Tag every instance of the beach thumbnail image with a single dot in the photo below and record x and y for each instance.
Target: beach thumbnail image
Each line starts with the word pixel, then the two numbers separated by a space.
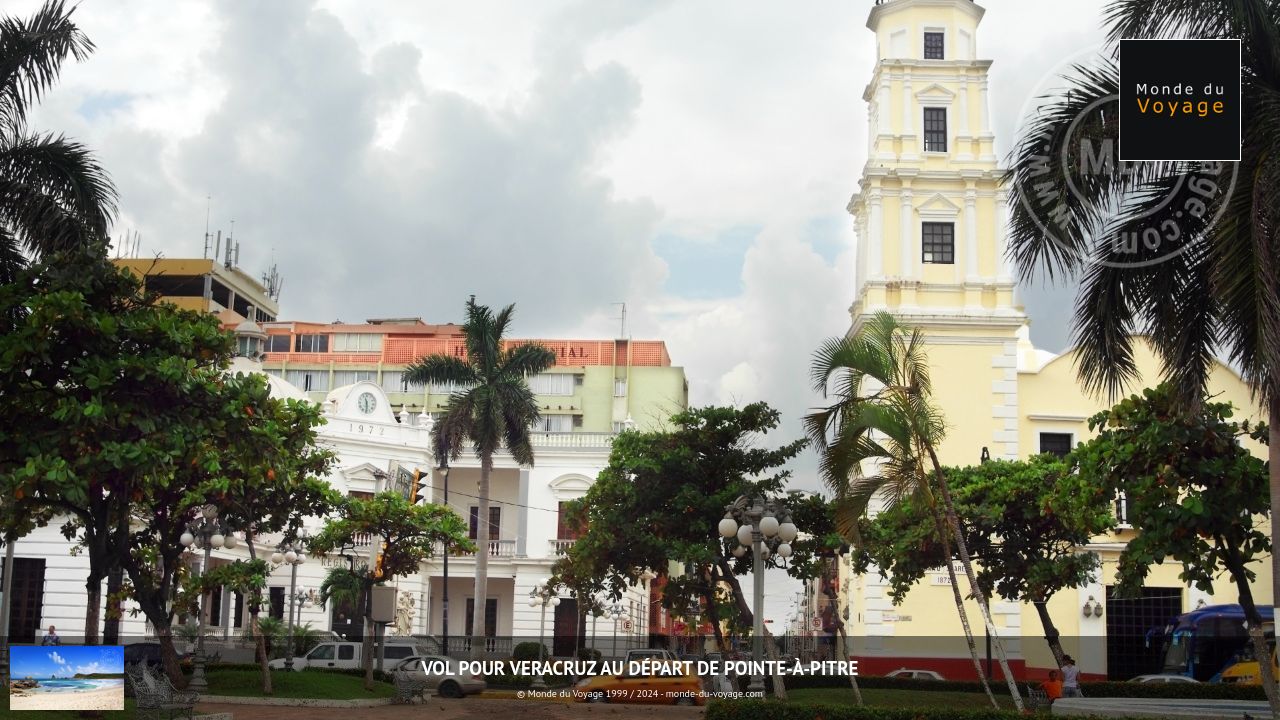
pixel 66 677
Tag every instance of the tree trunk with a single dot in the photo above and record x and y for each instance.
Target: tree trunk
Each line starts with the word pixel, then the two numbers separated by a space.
pixel 748 618
pixel 1051 634
pixel 93 608
pixel 111 627
pixel 6 589
pixel 482 560
pixel 254 610
pixel 843 635
pixel 367 645
pixel 1260 650
pixel 981 597
pixel 1273 464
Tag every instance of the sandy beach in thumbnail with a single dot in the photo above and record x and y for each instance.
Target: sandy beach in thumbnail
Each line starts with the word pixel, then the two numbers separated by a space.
pixel 108 698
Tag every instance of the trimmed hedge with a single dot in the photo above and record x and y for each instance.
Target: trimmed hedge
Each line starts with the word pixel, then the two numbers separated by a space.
pixel 770 710
pixel 1180 691
pixel 378 676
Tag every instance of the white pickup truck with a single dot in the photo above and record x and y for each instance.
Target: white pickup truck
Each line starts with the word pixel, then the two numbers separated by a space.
pixel 346 655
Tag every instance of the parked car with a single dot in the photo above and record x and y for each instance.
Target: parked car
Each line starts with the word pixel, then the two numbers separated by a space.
pixel 1164 678
pixel 640 654
pixel 915 674
pixel 660 686
pixel 450 684
pixel 347 655
pixel 149 653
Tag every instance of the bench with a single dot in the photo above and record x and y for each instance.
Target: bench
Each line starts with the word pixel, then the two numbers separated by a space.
pixel 157 697
pixel 410 684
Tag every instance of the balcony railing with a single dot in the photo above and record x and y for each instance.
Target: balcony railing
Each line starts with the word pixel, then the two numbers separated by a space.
pixel 497 548
pixel 572 440
pixel 560 546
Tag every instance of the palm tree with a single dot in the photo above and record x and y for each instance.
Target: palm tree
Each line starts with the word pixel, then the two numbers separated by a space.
pixel 491 407
pixel 1217 286
pixel 53 194
pixel 883 415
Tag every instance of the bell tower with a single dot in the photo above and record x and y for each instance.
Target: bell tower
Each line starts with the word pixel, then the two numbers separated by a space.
pixel 929 211
pixel 930 219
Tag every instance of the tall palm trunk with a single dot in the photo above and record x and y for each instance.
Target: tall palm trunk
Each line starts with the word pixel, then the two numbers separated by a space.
pixel 945 537
pixel 954 521
pixel 964 614
pixel 482 560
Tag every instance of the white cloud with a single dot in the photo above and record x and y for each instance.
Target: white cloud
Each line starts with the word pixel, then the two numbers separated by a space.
pixel 57 659
pixel 94 667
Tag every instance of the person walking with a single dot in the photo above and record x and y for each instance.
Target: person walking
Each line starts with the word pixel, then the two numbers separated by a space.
pixel 51 638
pixel 1070 677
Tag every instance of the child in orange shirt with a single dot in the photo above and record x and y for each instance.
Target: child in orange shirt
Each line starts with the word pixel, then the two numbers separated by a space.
pixel 1052 687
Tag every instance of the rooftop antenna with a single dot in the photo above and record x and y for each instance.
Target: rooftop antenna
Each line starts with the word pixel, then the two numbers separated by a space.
pixel 217 246
pixel 208 200
pixel 622 331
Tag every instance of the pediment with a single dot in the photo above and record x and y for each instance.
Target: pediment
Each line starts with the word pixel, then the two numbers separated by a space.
pixel 935 93
pixel 938 203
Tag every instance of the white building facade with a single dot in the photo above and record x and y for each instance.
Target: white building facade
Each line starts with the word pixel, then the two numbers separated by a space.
pixel 376 449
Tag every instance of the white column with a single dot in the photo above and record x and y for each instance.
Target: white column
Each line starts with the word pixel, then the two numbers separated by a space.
pixel 908 108
pixel 884 118
pixel 962 122
pixel 986 115
pixel 907 235
pixel 971 235
pixel 875 237
pixel 1002 237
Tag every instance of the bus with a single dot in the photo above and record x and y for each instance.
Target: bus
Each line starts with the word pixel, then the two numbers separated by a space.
pixel 1200 644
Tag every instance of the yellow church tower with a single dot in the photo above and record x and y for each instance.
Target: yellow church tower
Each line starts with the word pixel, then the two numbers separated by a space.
pixel 930 220
pixel 929 217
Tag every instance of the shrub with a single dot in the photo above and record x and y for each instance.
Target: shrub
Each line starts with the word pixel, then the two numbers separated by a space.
pixel 589 654
pixel 529 651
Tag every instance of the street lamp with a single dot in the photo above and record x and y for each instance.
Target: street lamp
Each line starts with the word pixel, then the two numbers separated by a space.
pixel 764 527
pixel 542 594
pixel 290 553
pixel 207 533
pixel 615 612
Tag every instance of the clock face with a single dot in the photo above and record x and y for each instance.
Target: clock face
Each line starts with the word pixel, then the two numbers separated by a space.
pixel 366 402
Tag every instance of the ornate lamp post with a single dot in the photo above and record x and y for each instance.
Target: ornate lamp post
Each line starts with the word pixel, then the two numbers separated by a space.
pixel 615 611
pixel 762 527
pixel 206 533
pixel 542 595
pixel 293 555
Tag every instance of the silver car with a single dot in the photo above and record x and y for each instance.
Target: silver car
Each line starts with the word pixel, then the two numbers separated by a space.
pixel 1164 678
pixel 450 684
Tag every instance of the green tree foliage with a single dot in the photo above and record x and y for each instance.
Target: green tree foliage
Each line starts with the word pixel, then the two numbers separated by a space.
pixel 661 497
pixel 1197 494
pixel 96 375
pixel 492 408
pixel 1024 523
pixel 406 536
pixel 272 480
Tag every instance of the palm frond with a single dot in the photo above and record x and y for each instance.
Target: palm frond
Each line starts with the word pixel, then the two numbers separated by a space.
pixel 62 195
pixel 440 369
pixel 32 51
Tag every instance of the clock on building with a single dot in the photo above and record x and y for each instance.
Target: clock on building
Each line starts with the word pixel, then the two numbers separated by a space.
pixel 366 402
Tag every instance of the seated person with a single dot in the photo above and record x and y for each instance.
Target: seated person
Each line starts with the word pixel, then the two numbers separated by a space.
pixel 1053 686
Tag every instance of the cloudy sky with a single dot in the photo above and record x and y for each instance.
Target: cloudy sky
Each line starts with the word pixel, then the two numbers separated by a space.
pixel 692 159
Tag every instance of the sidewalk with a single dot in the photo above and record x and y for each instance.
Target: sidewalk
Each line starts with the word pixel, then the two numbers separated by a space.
pixel 1152 708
